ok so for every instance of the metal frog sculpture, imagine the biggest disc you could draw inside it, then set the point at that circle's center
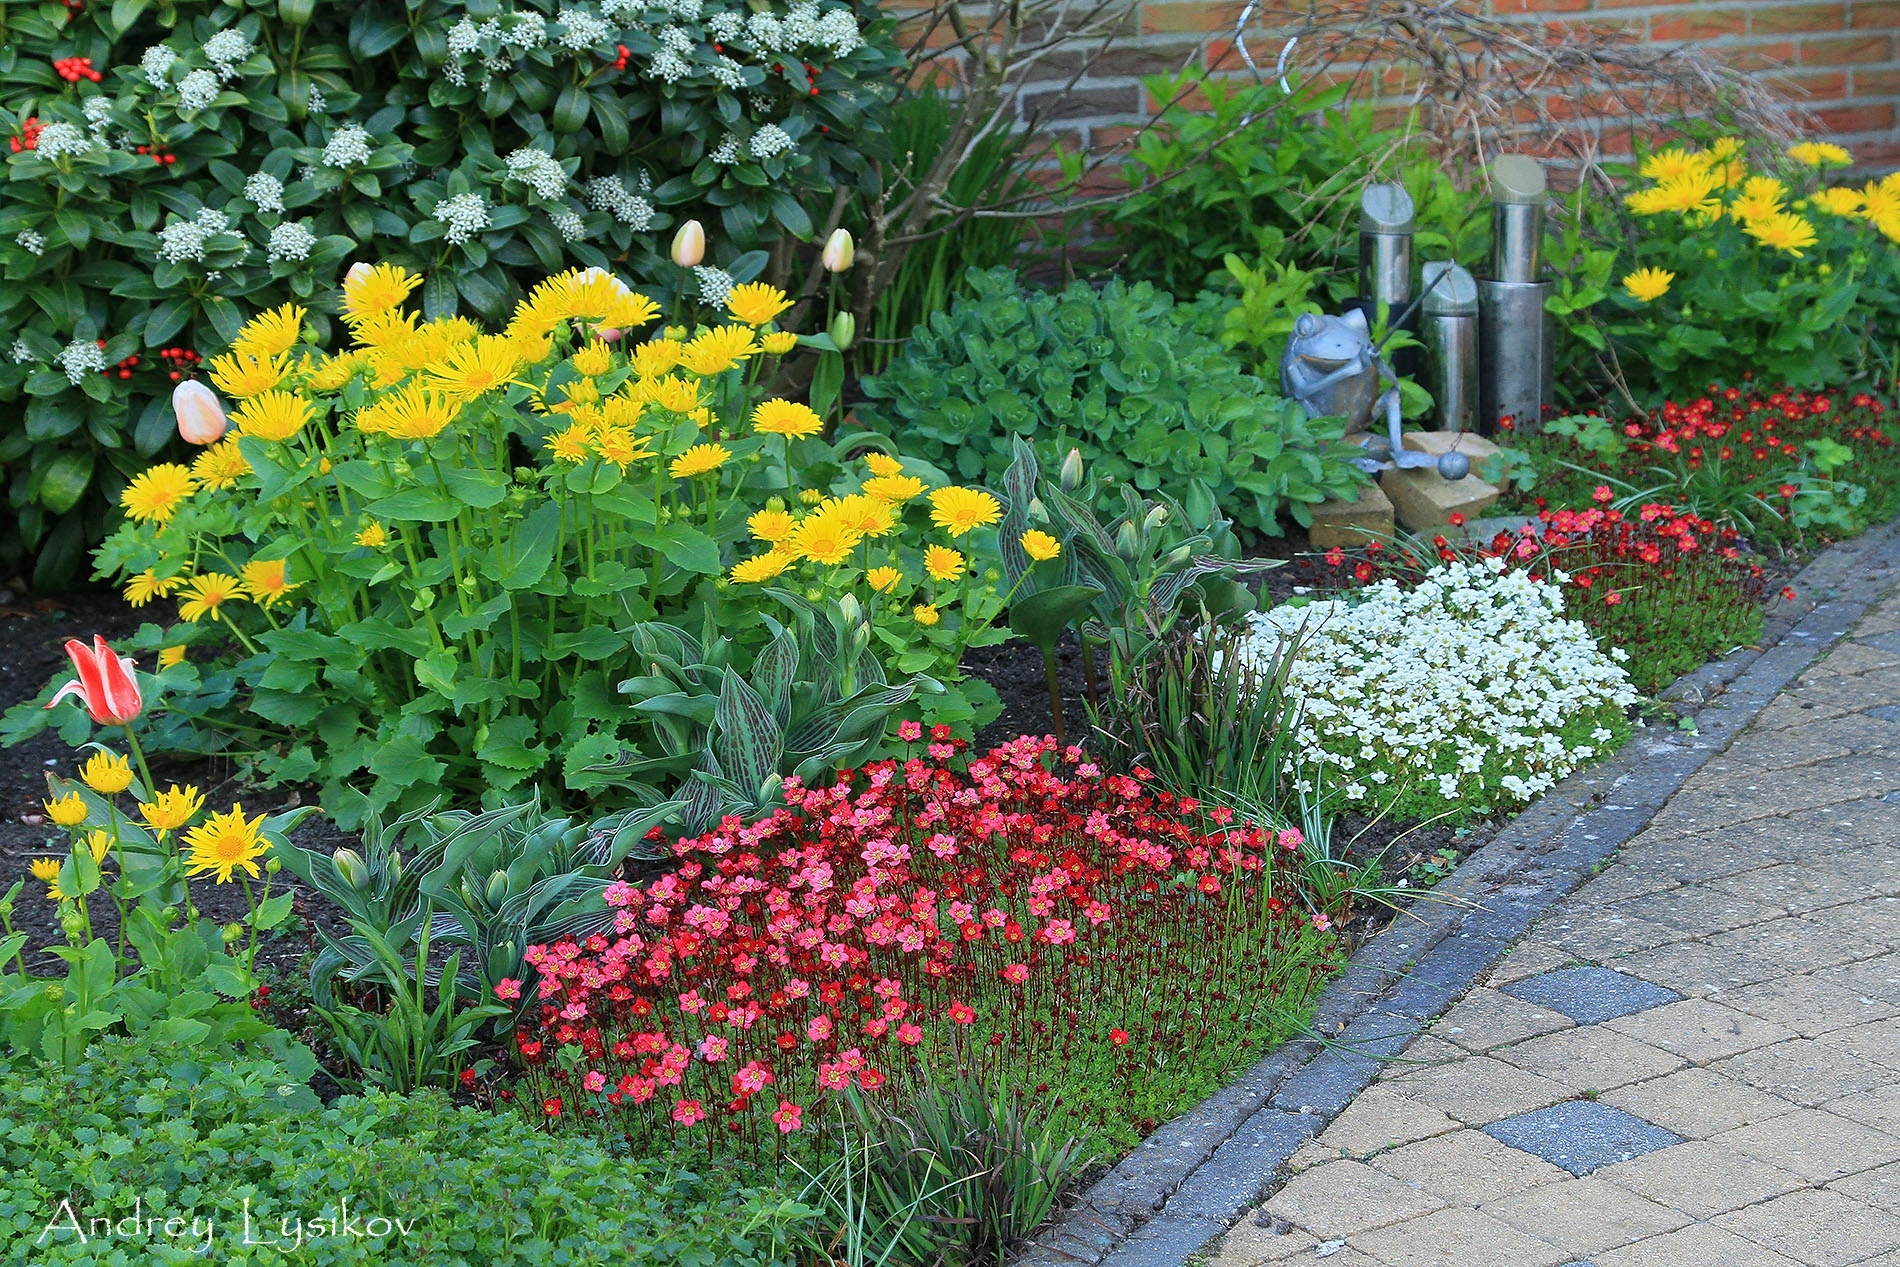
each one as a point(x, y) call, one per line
point(1333, 369)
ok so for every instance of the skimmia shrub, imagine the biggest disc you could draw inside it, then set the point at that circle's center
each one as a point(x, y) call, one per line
point(913, 918)
point(172, 163)
point(445, 560)
point(1466, 692)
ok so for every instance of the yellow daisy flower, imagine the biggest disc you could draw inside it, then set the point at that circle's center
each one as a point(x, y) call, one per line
point(157, 492)
point(221, 466)
point(569, 444)
point(239, 373)
point(942, 563)
point(374, 536)
point(925, 614)
point(106, 773)
point(1648, 284)
point(717, 351)
point(756, 303)
point(1783, 231)
point(414, 413)
point(1819, 154)
point(869, 515)
point(273, 415)
point(762, 567)
point(386, 332)
point(272, 332)
point(67, 811)
point(148, 585)
point(206, 593)
point(771, 526)
point(1040, 546)
point(99, 843)
point(786, 418)
point(778, 342)
point(377, 289)
point(224, 843)
point(699, 460)
point(593, 360)
point(170, 810)
point(824, 539)
point(960, 510)
point(883, 463)
point(895, 489)
point(656, 357)
point(472, 369)
point(1673, 162)
point(1838, 201)
point(265, 581)
point(170, 656)
point(884, 579)
point(1692, 193)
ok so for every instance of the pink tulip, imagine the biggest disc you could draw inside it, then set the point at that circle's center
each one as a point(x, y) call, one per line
point(200, 416)
point(689, 244)
point(105, 683)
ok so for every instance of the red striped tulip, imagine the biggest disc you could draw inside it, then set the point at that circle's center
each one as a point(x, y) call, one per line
point(105, 683)
point(200, 416)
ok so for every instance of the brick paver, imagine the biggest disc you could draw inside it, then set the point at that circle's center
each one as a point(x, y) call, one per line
point(1766, 895)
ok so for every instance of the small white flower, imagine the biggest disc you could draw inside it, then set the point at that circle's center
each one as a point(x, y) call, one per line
point(715, 285)
point(529, 30)
point(317, 103)
point(348, 147)
point(676, 39)
point(30, 242)
point(265, 192)
point(58, 139)
point(539, 170)
point(226, 50)
point(684, 10)
point(568, 224)
point(290, 241)
point(668, 67)
point(157, 64)
point(465, 215)
point(769, 140)
point(584, 30)
point(609, 194)
point(727, 151)
point(838, 31)
point(726, 27)
point(197, 91)
point(80, 358)
point(22, 354)
point(463, 38)
point(98, 114)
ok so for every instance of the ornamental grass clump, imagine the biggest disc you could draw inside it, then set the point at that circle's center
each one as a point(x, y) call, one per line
point(1029, 917)
point(420, 563)
point(1465, 693)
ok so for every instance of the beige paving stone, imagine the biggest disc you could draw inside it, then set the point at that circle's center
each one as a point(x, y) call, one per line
point(1700, 909)
point(1599, 935)
point(1876, 1040)
point(1855, 658)
point(1382, 1118)
point(1790, 710)
point(1698, 1245)
point(1342, 1198)
point(1466, 1167)
point(1877, 1187)
point(1697, 856)
point(1806, 1071)
point(1853, 694)
point(1810, 1005)
point(1822, 1228)
point(1423, 1052)
point(1480, 1090)
point(1874, 921)
point(1877, 978)
point(1696, 1103)
point(1529, 959)
point(1821, 882)
point(1700, 1179)
point(1696, 969)
point(1488, 1018)
point(1458, 1238)
point(1791, 747)
point(1249, 1244)
point(1591, 1058)
point(1818, 1146)
point(1878, 1107)
point(1699, 1030)
point(1585, 1216)
point(1628, 878)
point(1799, 943)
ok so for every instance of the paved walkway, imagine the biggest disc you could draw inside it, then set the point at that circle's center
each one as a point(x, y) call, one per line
point(1693, 1061)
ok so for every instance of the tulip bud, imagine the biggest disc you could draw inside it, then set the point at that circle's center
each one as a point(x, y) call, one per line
point(844, 330)
point(840, 251)
point(1157, 516)
point(689, 244)
point(850, 610)
point(349, 864)
point(200, 416)
point(105, 685)
point(1126, 543)
point(1072, 471)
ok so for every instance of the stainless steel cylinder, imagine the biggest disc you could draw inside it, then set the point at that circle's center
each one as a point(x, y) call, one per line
point(1514, 369)
point(1517, 241)
point(1449, 329)
point(1385, 247)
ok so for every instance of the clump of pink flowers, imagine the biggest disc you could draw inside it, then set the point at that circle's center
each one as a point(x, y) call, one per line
point(1027, 914)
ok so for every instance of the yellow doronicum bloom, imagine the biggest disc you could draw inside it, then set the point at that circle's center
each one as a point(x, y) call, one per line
point(221, 466)
point(593, 360)
point(786, 418)
point(942, 563)
point(925, 614)
point(483, 365)
point(67, 811)
point(46, 870)
point(778, 342)
point(148, 585)
point(170, 656)
point(271, 333)
point(883, 463)
point(1761, 197)
point(157, 492)
point(896, 489)
point(414, 413)
point(1783, 231)
point(99, 843)
point(623, 448)
point(1838, 201)
point(373, 536)
point(170, 810)
point(367, 291)
point(868, 515)
point(1040, 546)
point(656, 357)
point(224, 843)
point(1648, 284)
point(762, 567)
point(701, 459)
point(1819, 154)
point(273, 415)
point(884, 579)
point(1673, 162)
point(107, 773)
point(206, 594)
point(756, 303)
point(569, 444)
point(330, 374)
point(717, 351)
point(239, 373)
point(1692, 193)
point(960, 510)
point(771, 526)
point(810, 496)
point(824, 539)
point(676, 395)
point(385, 332)
point(265, 581)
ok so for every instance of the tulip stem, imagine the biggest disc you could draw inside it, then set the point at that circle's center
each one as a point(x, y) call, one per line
point(138, 755)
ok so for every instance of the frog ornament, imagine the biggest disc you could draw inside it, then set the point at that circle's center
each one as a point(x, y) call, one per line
point(1332, 368)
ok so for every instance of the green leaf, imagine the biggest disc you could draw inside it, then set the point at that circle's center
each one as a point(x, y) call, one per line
point(403, 762)
point(225, 317)
point(532, 544)
point(64, 480)
point(1041, 617)
point(687, 548)
point(416, 505)
point(271, 911)
point(511, 745)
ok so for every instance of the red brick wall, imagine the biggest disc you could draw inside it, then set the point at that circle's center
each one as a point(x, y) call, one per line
point(1840, 59)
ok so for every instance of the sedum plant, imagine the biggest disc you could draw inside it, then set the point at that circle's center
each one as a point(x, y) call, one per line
point(174, 162)
point(1149, 401)
point(417, 565)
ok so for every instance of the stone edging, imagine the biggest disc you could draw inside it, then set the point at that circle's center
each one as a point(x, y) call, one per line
point(1187, 1182)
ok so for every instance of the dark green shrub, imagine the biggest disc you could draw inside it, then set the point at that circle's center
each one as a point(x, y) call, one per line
point(211, 159)
point(154, 1132)
point(1148, 400)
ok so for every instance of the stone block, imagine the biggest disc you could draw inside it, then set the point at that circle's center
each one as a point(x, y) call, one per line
point(1439, 443)
point(1425, 501)
point(1352, 523)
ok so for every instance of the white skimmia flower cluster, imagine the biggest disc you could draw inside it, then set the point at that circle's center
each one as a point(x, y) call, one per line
point(1470, 685)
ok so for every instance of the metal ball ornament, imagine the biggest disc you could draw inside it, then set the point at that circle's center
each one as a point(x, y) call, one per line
point(1453, 466)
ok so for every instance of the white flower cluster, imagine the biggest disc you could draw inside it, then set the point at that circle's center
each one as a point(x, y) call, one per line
point(58, 139)
point(528, 30)
point(197, 91)
point(727, 151)
point(184, 240)
point(226, 50)
point(157, 64)
point(465, 215)
point(80, 358)
point(609, 194)
point(348, 146)
point(569, 225)
point(715, 285)
point(769, 140)
point(290, 241)
point(98, 116)
point(265, 192)
point(1474, 671)
point(539, 171)
point(22, 354)
point(803, 26)
point(584, 30)
point(30, 242)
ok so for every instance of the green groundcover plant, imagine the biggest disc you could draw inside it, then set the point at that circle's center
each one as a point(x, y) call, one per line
point(260, 1173)
point(171, 162)
point(1116, 373)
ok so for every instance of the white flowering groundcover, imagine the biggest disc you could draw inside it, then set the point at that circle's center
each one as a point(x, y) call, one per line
point(1467, 693)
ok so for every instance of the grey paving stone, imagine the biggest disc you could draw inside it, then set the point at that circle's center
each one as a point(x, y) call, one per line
point(1581, 1135)
point(1590, 996)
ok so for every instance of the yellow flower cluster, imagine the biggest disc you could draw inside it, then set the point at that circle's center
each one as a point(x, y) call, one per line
point(1708, 185)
